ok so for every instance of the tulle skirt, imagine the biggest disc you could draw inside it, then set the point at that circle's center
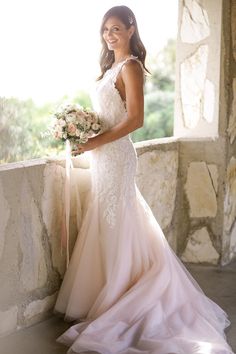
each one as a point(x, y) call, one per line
point(128, 292)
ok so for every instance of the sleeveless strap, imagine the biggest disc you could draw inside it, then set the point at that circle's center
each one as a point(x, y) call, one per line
point(119, 66)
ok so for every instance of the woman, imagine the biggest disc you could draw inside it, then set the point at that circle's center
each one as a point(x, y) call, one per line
point(125, 288)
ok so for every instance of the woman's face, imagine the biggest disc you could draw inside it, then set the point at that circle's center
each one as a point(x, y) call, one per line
point(116, 35)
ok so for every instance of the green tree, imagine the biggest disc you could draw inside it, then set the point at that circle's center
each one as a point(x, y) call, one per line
point(159, 96)
point(17, 130)
point(158, 112)
point(162, 68)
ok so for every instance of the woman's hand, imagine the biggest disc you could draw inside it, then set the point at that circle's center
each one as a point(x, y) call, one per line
point(89, 145)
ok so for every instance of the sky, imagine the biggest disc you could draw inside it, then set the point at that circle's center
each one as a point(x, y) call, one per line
point(51, 47)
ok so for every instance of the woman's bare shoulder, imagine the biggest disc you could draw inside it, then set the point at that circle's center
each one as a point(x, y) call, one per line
point(132, 68)
point(132, 65)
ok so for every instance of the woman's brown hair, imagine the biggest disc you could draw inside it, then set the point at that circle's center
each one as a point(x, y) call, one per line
point(126, 16)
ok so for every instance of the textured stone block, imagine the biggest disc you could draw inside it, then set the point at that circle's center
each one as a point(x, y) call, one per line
point(199, 248)
point(39, 306)
point(192, 81)
point(200, 190)
point(52, 207)
point(5, 214)
point(195, 23)
point(33, 270)
point(8, 320)
point(157, 181)
point(209, 101)
point(213, 170)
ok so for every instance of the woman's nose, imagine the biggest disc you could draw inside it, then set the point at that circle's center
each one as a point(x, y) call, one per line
point(109, 33)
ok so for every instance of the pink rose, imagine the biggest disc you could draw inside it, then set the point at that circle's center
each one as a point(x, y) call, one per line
point(71, 129)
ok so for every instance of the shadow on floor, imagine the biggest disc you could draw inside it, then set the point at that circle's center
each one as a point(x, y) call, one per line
point(219, 284)
point(37, 339)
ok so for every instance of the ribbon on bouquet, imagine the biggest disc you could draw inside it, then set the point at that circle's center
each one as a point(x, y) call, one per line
point(65, 229)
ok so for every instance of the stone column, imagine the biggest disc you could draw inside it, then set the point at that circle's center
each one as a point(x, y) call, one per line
point(205, 124)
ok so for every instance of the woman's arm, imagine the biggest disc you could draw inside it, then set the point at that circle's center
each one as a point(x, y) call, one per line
point(132, 76)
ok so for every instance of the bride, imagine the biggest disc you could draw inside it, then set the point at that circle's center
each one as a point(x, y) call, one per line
point(125, 289)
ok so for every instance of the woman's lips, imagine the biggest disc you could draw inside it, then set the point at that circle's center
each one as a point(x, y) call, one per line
point(111, 42)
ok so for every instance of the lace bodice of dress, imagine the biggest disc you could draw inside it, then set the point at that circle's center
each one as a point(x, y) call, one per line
point(113, 164)
point(107, 100)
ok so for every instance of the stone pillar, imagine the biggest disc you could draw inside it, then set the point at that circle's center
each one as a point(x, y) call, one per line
point(205, 125)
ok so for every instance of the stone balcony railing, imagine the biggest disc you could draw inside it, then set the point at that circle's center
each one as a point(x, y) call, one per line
point(183, 186)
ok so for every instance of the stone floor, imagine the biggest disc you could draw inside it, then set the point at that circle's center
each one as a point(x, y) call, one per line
point(218, 283)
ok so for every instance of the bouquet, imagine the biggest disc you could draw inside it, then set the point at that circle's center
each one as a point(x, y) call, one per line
point(74, 123)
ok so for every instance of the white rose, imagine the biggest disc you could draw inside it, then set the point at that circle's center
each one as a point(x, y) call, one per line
point(61, 122)
point(95, 126)
point(77, 132)
point(71, 118)
point(90, 119)
point(80, 120)
point(83, 134)
point(83, 137)
point(90, 133)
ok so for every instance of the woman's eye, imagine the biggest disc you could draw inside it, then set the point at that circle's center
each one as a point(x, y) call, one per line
point(114, 29)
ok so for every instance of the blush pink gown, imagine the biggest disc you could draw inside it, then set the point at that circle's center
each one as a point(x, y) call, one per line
point(125, 288)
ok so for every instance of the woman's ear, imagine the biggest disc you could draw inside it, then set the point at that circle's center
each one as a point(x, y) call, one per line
point(131, 31)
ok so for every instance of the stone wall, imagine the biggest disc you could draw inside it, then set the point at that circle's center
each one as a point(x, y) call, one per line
point(157, 180)
point(31, 262)
point(31, 207)
point(192, 217)
point(202, 191)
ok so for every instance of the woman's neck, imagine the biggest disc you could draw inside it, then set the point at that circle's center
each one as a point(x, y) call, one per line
point(121, 56)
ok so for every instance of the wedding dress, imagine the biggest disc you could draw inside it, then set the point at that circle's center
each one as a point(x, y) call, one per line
point(125, 288)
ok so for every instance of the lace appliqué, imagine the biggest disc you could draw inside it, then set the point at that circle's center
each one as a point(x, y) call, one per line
point(114, 164)
point(114, 178)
